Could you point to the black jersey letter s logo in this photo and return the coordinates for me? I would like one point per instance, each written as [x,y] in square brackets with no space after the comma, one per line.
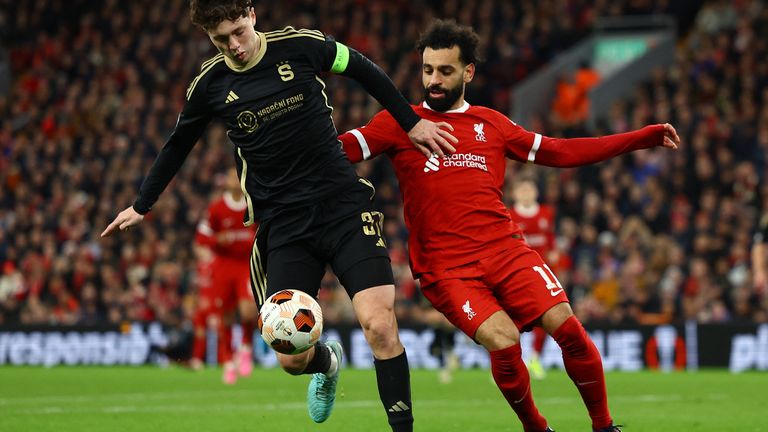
[286,74]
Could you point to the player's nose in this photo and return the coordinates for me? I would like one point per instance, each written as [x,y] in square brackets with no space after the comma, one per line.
[233,45]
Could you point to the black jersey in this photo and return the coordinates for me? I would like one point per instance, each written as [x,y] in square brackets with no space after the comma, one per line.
[278,117]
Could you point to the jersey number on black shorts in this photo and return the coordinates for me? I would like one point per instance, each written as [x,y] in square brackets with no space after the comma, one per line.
[373,225]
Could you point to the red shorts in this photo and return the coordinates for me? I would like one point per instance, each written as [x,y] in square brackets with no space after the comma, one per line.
[230,283]
[516,281]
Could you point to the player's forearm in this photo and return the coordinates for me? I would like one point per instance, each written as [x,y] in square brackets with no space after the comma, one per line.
[570,152]
[758,259]
[165,167]
[378,85]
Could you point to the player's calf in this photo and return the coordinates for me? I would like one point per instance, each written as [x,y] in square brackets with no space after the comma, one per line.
[584,366]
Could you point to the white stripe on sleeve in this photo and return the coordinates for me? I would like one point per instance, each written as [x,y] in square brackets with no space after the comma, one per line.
[205,229]
[535,148]
[363,143]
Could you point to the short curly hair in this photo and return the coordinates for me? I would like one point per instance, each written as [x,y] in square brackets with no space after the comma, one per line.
[210,13]
[447,34]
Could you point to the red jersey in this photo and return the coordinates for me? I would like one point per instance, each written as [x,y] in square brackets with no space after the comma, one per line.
[453,206]
[538,226]
[224,220]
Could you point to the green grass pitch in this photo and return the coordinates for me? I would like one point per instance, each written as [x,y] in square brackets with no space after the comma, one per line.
[174,399]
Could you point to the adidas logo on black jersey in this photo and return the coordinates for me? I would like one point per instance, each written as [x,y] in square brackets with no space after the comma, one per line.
[231,97]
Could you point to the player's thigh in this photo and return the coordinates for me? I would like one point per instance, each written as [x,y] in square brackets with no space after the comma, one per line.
[525,286]
[466,303]
[220,290]
[375,303]
[294,266]
[227,288]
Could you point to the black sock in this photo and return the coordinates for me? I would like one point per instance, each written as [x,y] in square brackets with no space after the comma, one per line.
[394,381]
[321,362]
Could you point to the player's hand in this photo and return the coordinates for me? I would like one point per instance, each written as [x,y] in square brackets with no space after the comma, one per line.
[671,139]
[430,137]
[126,219]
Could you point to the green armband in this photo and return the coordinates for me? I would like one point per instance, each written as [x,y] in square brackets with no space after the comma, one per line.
[342,59]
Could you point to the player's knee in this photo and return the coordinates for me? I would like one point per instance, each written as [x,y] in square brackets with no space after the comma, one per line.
[380,332]
[555,317]
[497,332]
[248,311]
[495,341]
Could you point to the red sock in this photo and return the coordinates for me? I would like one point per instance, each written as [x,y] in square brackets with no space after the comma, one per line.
[248,329]
[584,366]
[198,346]
[539,336]
[225,343]
[198,341]
[513,380]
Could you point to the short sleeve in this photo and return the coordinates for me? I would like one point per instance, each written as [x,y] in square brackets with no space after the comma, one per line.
[379,136]
[323,52]
[519,144]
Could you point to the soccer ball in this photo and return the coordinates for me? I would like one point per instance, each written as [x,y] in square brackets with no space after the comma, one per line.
[290,321]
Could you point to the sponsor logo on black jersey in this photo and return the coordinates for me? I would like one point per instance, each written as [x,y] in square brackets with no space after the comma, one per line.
[247,121]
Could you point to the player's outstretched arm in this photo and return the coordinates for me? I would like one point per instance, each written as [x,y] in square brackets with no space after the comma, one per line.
[571,152]
[126,219]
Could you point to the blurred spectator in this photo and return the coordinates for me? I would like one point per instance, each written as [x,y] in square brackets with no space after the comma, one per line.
[571,103]
[759,259]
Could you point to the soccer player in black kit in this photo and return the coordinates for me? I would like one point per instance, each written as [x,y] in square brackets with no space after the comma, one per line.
[312,208]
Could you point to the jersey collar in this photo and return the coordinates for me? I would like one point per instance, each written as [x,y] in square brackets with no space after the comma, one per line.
[255,60]
[527,212]
[461,109]
[233,204]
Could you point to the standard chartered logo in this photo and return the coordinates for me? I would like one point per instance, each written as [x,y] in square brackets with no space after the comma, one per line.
[457,160]
[432,164]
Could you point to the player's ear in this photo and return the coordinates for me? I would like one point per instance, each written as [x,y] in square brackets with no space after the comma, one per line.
[469,73]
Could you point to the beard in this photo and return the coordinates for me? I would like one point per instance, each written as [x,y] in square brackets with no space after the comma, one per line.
[443,104]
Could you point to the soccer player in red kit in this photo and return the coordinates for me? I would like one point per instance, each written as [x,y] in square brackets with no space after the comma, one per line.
[230,242]
[537,221]
[470,258]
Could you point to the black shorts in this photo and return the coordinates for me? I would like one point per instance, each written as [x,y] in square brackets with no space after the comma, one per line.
[292,249]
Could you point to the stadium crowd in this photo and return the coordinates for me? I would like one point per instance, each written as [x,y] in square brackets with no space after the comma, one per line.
[650,237]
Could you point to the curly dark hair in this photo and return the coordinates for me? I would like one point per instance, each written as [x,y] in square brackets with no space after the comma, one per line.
[447,34]
[210,13]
